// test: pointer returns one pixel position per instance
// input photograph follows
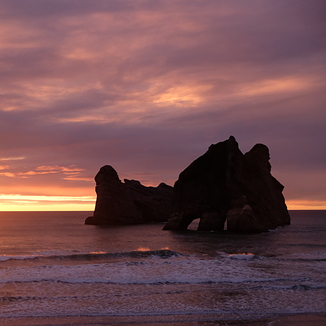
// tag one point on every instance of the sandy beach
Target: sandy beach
(180, 320)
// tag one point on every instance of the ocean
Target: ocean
(52, 265)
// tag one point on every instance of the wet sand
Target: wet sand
(179, 320)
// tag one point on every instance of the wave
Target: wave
(19, 298)
(295, 257)
(295, 287)
(162, 253)
(13, 298)
(301, 259)
(142, 282)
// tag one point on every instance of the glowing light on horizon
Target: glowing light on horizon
(16, 202)
(13, 202)
(306, 204)
(45, 198)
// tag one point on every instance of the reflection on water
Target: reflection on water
(193, 226)
(143, 249)
(242, 255)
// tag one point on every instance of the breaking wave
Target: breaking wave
(162, 253)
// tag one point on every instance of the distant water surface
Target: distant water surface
(51, 264)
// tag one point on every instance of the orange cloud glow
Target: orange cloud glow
(12, 158)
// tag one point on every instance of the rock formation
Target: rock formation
(130, 202)
(225, 185)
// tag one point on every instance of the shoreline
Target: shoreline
(179, 320)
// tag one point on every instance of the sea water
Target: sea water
(51, 264)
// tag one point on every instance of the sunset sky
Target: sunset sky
(147, 85)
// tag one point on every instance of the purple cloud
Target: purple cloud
(147, 86)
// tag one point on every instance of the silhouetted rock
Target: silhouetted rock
(225, 185)
(130, 202)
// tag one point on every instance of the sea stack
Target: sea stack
(128, 202)
(224, 185)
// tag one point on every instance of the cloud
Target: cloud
(7, 174)
(147, 86)
(72, 173)
(56, 168)
(12, 158)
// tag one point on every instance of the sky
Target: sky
(148, 85)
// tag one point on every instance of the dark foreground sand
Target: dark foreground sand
(179, 320)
